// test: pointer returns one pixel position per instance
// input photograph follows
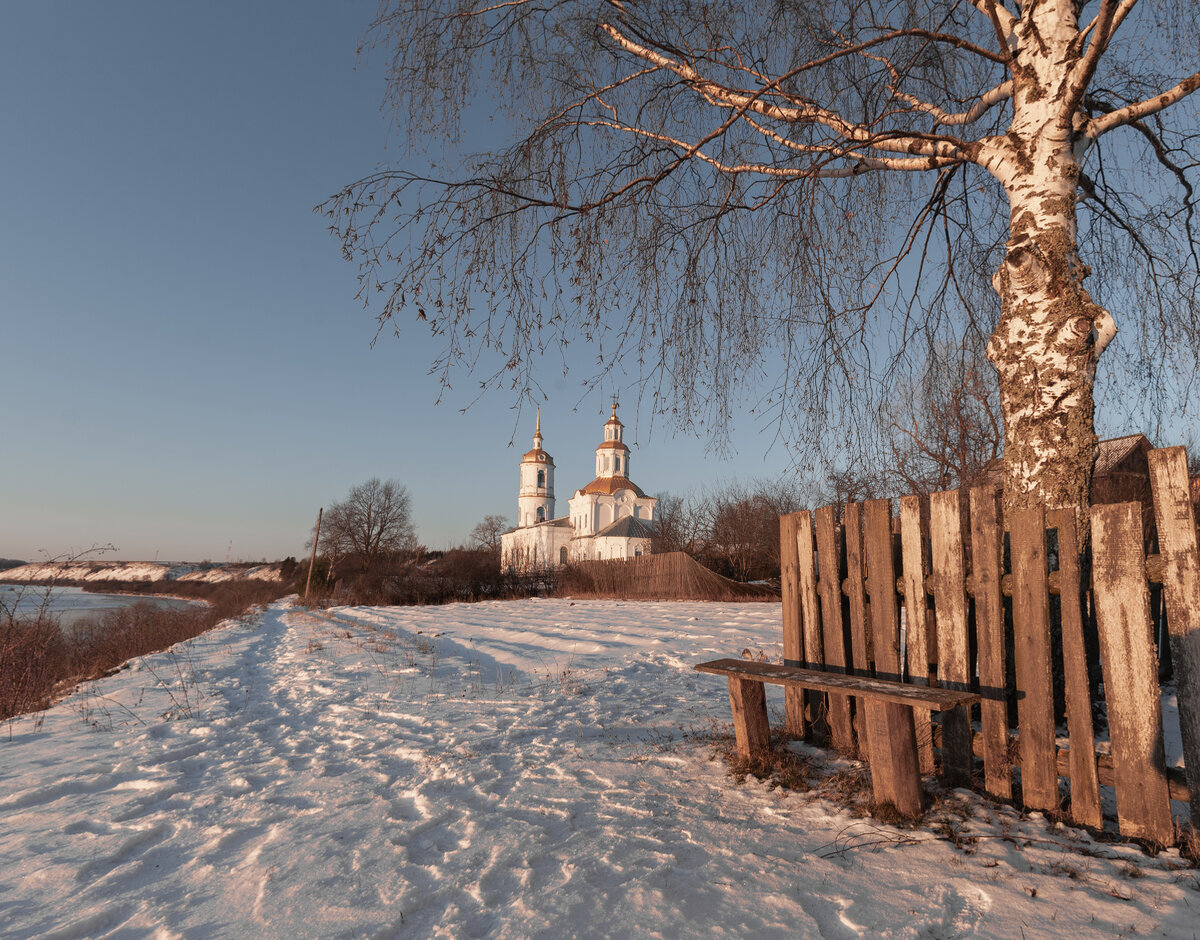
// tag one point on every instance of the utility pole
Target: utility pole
(313, 557)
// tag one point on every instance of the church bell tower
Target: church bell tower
(535, 499)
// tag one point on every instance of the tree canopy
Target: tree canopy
(373, 522)
(804, 200)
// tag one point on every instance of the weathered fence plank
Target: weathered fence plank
(913, 538)
(950, 606)
(856, 589)
(833, 637)
(1032, 652)
(1130, 672)
(881, 586)
(810, 621)
(987, 566)
(1085, 782)
(1181, 591)
(793, 638)
(856, 592)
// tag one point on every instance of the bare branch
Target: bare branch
(926, 145)
(1142, 109)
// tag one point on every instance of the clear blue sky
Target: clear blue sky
(185, 372)
(184, 365)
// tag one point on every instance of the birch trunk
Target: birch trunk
(1050, 333)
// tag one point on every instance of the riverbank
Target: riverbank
(84, 573)
(42, 658)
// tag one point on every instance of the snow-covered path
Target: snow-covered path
(522, 769)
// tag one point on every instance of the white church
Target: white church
(609, 518)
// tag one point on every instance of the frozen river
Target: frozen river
(70, 604)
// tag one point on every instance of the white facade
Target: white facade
(609, 518)
(535, 497)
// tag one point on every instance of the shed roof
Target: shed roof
(627, 527)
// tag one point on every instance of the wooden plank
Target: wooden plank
(895, 774)
(881, 586)
(987, 567)
(856, 593)
(856, 590)
(1130, 672)
(810, 621)
(748, 700)
(918, 696)
(913, 539)
(833, 638)
(1085, 782)
(793, 638)
(954, 652)
(1176, 784)
(1178, 546)
(1032, 652)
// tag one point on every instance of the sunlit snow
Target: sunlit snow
(510, 769)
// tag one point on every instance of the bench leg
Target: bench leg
(748, 699)
(895, 771)
(956, 747)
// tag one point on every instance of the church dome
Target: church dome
(610, 486)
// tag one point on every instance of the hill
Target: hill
(91, 572)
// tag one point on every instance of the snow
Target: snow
(509, 769)
(135, 571)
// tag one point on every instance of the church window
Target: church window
(618, 467)
(541, 513)
(541, 478)
(562, 555)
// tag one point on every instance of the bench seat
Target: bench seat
(891, 743)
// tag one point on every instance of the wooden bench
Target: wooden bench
(889, 728)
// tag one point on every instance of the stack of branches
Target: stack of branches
(668, 577)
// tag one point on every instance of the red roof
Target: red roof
(610, 486)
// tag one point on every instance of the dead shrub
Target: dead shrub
(38, 658)
(780, 768)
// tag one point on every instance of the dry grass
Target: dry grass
(40, 660)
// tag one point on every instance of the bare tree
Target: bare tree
(801, 194)
(943, 430)
(677, 524)
(487, 533)
(373, 522)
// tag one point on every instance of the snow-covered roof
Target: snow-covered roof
(627, 527)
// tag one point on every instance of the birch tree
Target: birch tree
(797, 197)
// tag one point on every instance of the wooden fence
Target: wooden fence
(989, 589)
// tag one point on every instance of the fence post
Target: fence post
(881, 586)
(1130, 672)
(987, 564)
(834, 642)
(810, 622)
(1181, 591)
(1031, 636)
(1085, 784)
(914, 536)
(950, 603)
(793, 643)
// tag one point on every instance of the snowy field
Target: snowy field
(522, 769)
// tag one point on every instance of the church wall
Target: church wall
(527, 549)
(608, 548)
